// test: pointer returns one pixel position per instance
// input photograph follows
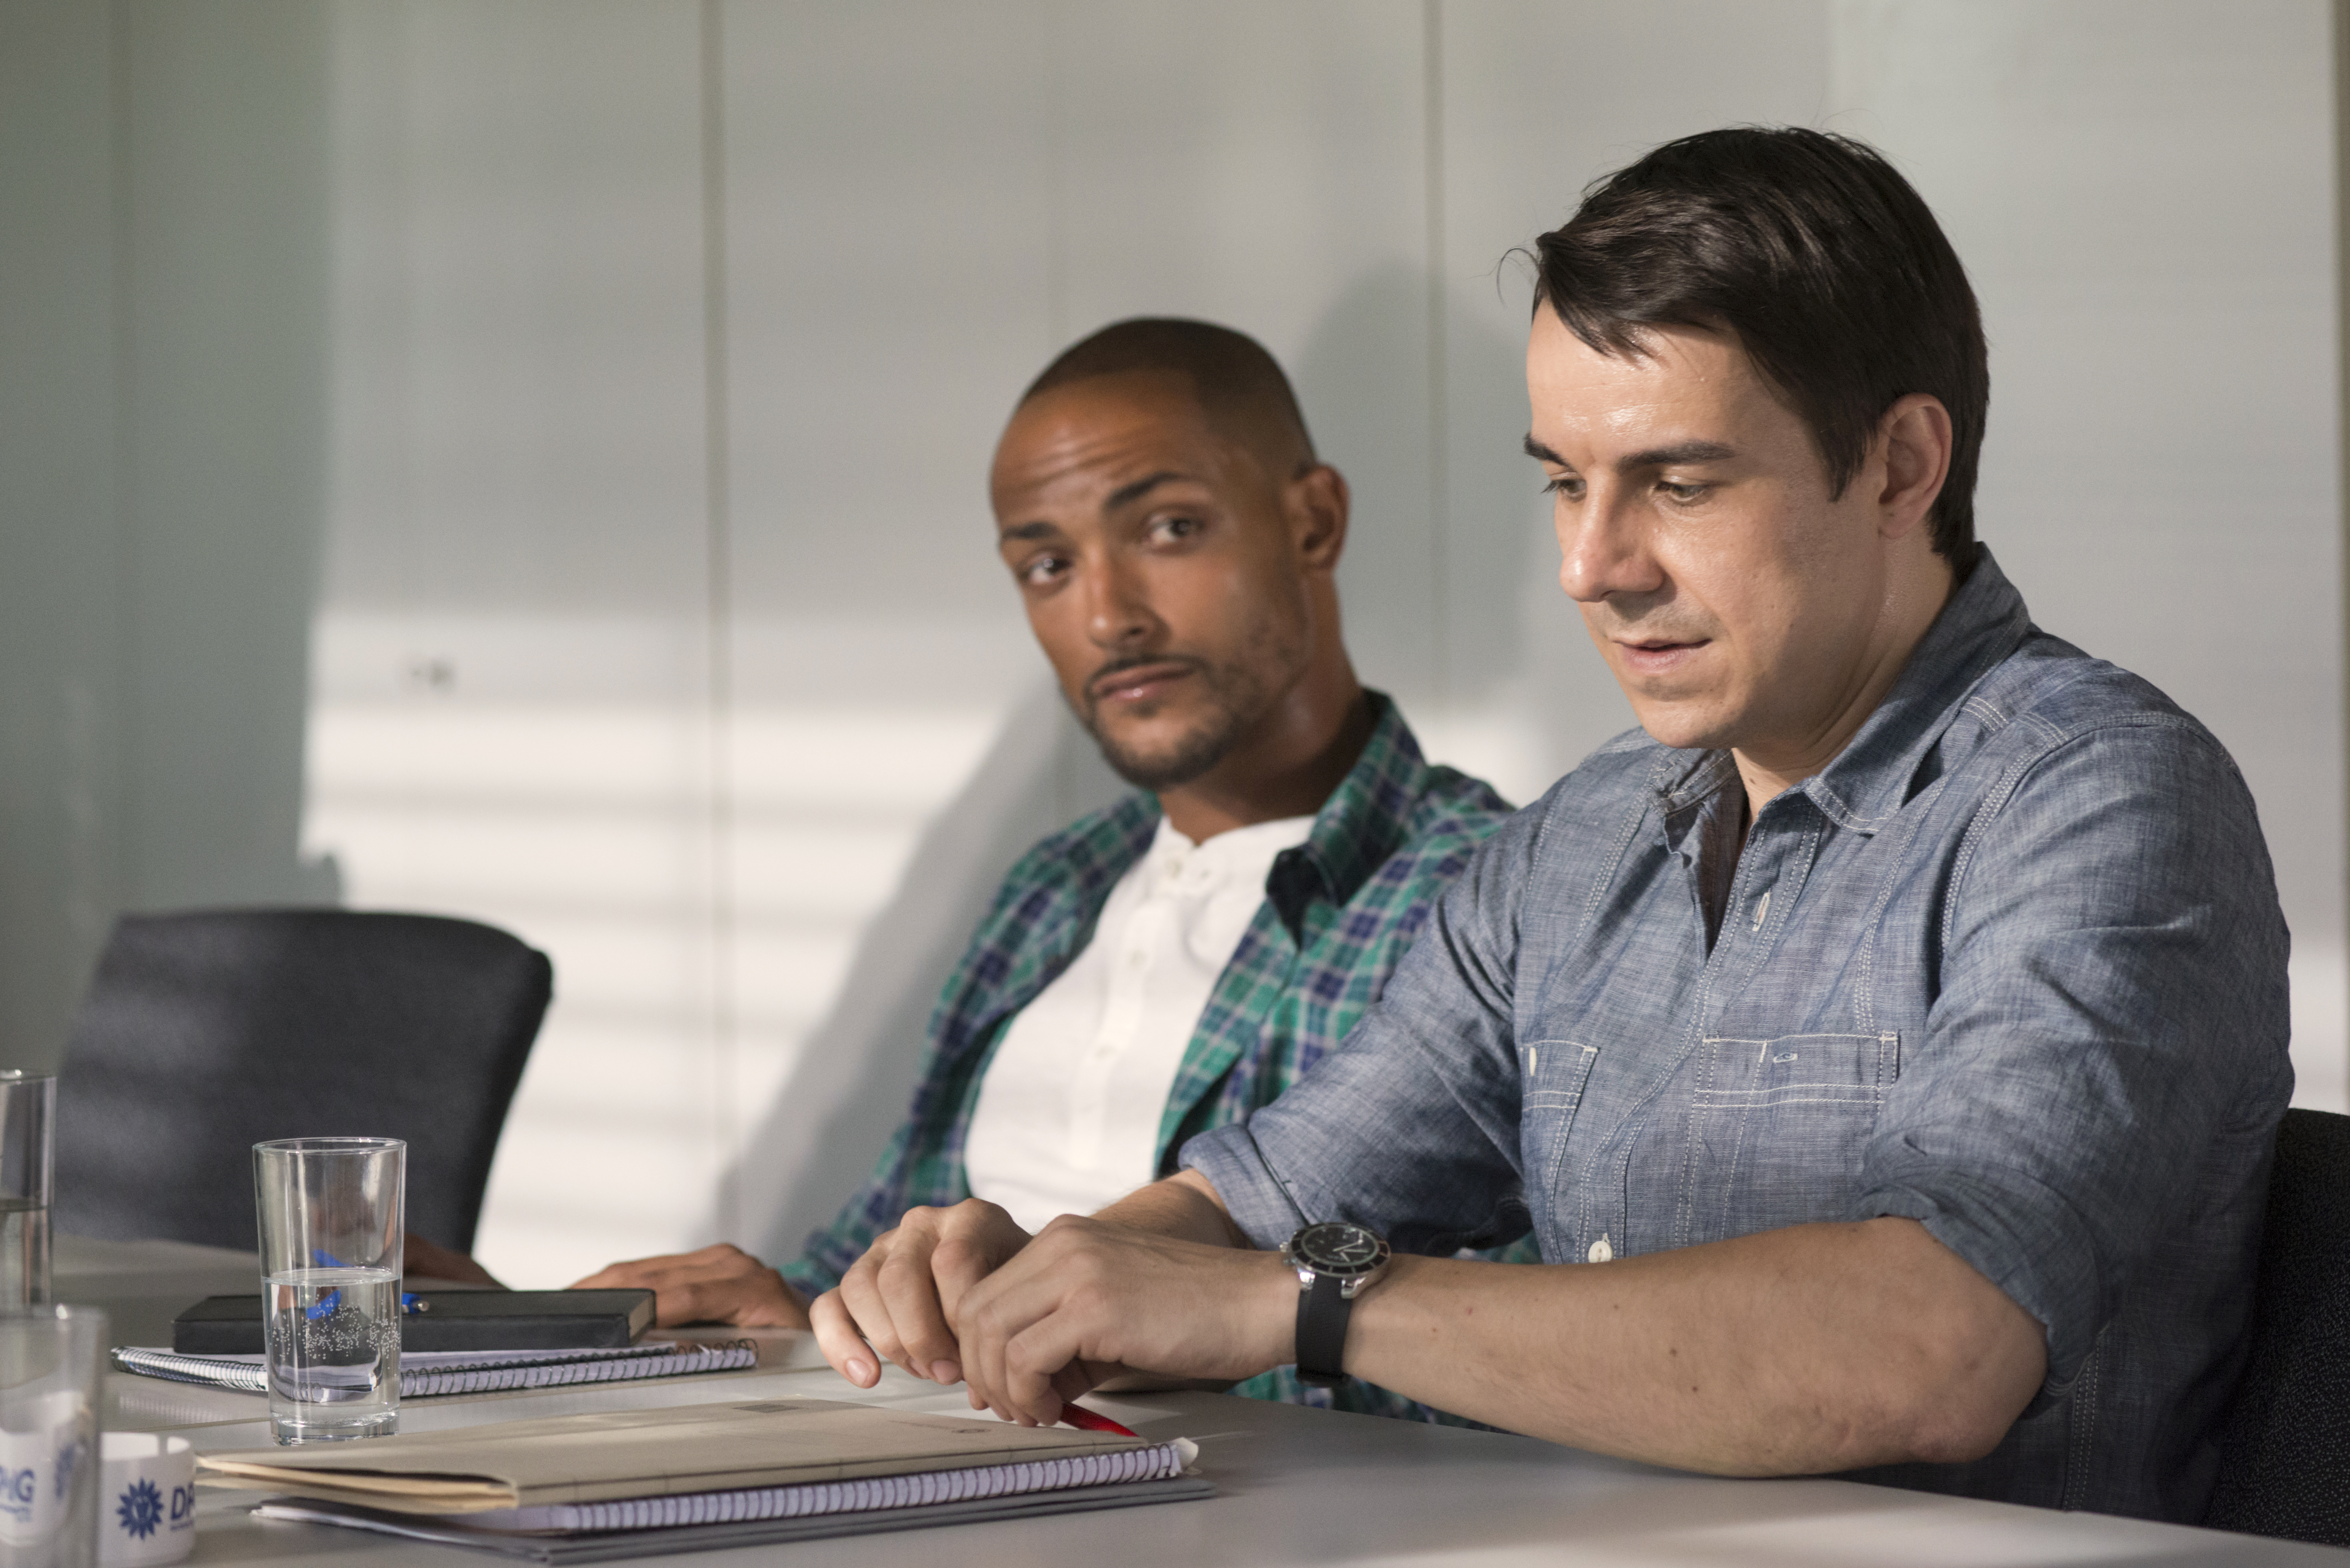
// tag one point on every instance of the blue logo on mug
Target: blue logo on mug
(141, 1509)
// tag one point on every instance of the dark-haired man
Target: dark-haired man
(1168, 964)
(1888, 1042)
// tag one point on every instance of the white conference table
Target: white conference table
(1296, 1486)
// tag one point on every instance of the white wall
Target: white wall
(163, 352)
(661, 348)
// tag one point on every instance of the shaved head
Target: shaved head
(1176, 543)
(1237, 385)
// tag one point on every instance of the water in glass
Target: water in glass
(24, 1252)
(333, 1338)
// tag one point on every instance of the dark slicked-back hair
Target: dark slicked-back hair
(1818, 256)
(1239, 386)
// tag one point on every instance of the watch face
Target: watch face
(1336, 1247)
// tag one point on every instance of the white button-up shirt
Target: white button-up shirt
(1068, 1113)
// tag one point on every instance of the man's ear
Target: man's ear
(1914, 437)
(1317, 502)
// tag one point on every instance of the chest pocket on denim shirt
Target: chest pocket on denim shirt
(1556, 1073)
(1776, 1129)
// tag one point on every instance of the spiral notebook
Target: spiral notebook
(611, 1484)
(424, 1373)
(594, 1531)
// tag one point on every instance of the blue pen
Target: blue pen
(410, 1302)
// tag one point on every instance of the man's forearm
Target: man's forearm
(1823, 1348)
(1184, 1206)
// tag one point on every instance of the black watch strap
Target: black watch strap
(1322, 1312)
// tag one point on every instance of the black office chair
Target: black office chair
(2284, 1450)
(207, 1032)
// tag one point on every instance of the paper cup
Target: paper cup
(147, 1507)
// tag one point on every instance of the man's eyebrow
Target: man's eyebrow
(1535, 449)
(1681, 451)
(1028, 531)
(1126, 494)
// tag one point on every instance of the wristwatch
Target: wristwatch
(1334, 1262)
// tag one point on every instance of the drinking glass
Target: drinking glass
(28, 1106)
(330, 1212)
(49, 1470)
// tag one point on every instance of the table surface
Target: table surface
(1295, 1486)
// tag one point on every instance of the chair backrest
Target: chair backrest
(208, 1032)
(2284, 1450)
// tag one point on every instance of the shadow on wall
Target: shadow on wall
(1417, 558)
(1449, 582)
(848, 1090)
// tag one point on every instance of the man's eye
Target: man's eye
(1683, 494)
(1567, 484)
(1042, 569)
(1167, 530)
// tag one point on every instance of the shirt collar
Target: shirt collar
(1359, 826)
(1869, 780)
(1175, 861)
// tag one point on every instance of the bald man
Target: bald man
(1169, 965)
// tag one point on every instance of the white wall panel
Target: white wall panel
(61, 674)
(510, 708)
(2143, 194)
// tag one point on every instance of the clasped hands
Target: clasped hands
(1028, 1322)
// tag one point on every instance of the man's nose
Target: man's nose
(1117, 610)
(1603, 549)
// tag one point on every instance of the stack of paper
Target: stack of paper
(630, 1482)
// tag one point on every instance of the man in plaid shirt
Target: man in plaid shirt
(1338, 912)
(1173, 963)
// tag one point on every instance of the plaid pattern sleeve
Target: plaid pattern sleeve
(1340, 911)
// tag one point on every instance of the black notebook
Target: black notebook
(447, 1320)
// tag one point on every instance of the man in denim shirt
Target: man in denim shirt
(1899, 1020)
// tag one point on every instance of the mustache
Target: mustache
(1651, 631)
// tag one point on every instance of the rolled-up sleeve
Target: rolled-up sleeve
(2111, 1005)
(1411, 1126)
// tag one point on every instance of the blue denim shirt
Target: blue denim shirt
(2011, 966)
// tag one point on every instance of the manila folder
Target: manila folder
(647, 1453)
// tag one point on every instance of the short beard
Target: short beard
(1239, 700)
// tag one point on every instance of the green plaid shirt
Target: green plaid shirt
(1340, 910)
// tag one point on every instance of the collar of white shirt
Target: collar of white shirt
(1068, 1114)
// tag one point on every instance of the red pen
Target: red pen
(1086, 1420)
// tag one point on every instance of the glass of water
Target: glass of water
(28, 1113)
(49, 1470)
(330, 1211)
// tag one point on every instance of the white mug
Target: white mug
(147, 1505)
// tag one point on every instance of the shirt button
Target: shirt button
(1600, 1251)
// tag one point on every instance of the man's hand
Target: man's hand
(717, 1284)
(902, 1296)
(1089, 1300)
(421, 1259)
